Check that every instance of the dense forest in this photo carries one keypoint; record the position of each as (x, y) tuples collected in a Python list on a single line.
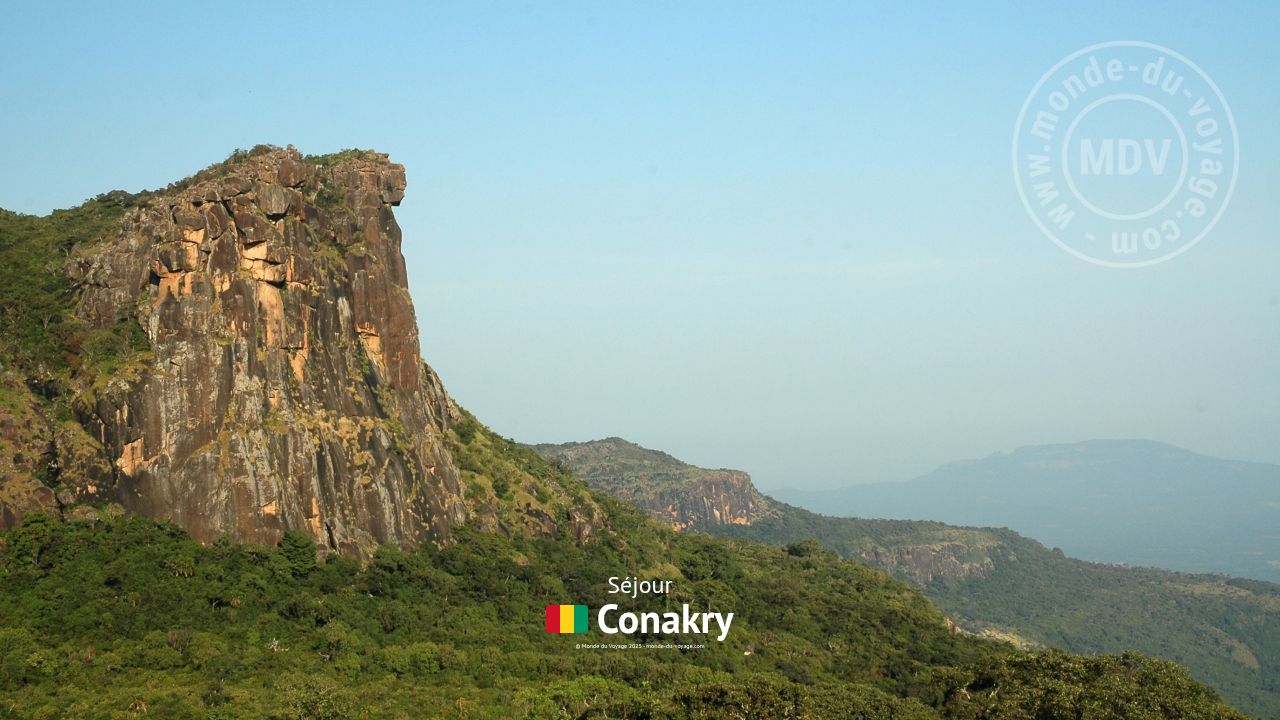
[(121, 617), (1221, 627)]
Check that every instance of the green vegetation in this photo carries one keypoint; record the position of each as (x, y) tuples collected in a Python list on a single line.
[(329, 160), (49, 358), (623, 468), (1000, 584), (512, 484), (1226, 631), (38, 333), (855, 537), (235, 159), (124, 617)]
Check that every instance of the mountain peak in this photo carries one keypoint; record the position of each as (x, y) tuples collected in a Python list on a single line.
[(244, 360)]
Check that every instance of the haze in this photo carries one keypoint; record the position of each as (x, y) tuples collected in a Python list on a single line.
[(775, 239)]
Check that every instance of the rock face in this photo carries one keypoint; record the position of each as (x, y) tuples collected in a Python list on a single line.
[(948, 564), (681, 495), (283, 388), (715, 497), (698, 499)]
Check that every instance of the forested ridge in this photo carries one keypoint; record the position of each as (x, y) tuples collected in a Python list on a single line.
[(119, 617), (1224, 629), (991, 581)]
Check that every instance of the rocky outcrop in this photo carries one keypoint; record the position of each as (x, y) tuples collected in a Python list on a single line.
[(948, 564), (713, 497), (693, 498), (281, 385), (682, 495)]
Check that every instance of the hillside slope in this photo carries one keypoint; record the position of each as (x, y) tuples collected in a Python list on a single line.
[(195, 375), (121, 617), (995, 582), (1119, 501)]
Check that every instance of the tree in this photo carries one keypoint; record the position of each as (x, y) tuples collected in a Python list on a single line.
[(299, 549)]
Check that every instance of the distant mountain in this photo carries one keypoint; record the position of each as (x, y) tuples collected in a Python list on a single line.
[(993, 582), (1118, 501)]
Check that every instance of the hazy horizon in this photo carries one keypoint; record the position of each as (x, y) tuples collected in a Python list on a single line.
[(776, 239), (784, 489)]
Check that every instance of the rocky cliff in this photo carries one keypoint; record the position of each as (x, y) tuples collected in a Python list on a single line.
[(924, 564), (264, 371), (699, 499), (682, 495)]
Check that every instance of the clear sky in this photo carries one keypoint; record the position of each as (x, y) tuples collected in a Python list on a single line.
[(780, 236)]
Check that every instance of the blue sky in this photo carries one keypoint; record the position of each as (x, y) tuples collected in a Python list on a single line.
[(776, 236)]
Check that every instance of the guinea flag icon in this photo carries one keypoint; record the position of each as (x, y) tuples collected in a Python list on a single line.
[(567, 619)]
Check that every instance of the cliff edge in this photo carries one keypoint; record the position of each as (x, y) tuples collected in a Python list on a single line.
[(241, 357)]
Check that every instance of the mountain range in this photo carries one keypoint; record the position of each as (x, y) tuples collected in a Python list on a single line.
[(991, 581), (1133, 502)]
